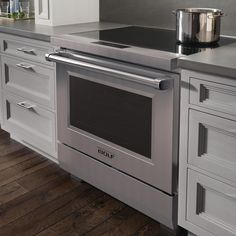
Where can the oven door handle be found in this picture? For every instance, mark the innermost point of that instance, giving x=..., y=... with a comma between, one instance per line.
x=163, y=83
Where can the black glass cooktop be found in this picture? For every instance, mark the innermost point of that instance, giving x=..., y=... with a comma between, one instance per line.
x=152, y=38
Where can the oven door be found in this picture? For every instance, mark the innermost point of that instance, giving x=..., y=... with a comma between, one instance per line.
x=125, y=124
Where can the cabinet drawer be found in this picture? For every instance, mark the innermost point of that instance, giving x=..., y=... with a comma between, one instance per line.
x=212, y=144
x=214, y=96
x=29, y=80
x=211, y=204
x=26, y=49
x=29, y=122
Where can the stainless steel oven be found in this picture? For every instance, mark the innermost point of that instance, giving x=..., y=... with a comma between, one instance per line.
x=118, y=129
x=121, y=114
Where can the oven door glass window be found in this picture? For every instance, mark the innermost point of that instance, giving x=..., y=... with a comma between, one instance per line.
x=115, y=115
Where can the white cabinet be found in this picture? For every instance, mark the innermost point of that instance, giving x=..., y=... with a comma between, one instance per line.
x=28, y=104
x=28, y=49
x=64, y=12
x=30, y=122
x=211, y=204
x=212, y=144
x=30, y=80
x=216, y=96
x=207, y=165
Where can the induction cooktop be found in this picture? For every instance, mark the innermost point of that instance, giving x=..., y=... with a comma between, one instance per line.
x=151, y=38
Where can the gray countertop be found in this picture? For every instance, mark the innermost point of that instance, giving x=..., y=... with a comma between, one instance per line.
x=29, y=29
x=220, y=61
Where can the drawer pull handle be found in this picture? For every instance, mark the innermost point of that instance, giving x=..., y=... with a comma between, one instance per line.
x=26, y=105
x=231, y=196
x=26, y=50
x=25, y=66
x=232, y=131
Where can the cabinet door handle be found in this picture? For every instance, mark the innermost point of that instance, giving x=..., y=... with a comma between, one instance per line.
x=231, y=195
x=26, y=50
x=25, y=66
x=26, y=105
x=232, y=131
x=162, y=82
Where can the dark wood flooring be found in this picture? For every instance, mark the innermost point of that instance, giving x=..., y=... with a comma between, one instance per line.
x=39, y=198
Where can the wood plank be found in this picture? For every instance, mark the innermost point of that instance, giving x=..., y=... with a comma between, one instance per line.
x=8, y=146
x=41, y=177
x=18, y=153
x=25, y=204
x=49, y=214
x=47, y=232
x=17, y=171
x=125, y=222
x=4, y=136
x=82, y=201
x=151, y=229
x=30, y=182
x=15, y=158
x=2, y=131
x=11, y=191
x=89, y=217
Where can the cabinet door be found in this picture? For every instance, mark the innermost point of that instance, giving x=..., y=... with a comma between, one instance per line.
x=29, y=80
x=27, y=49
x=211, y=204
x=212, y=144
x=29, y=122
x=214, y=96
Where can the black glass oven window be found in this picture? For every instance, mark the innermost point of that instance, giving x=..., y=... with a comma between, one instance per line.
x=115, y=115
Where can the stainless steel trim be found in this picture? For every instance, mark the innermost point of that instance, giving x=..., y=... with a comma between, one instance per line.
x=161, y=84
x=26, y=105
x=26, y=50
x=25, y=66
x=231, y=195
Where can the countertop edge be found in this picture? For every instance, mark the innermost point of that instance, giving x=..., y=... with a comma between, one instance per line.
x=25, y=34
x=206, y=68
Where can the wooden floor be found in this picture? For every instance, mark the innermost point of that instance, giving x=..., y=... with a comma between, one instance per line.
x=39, y=198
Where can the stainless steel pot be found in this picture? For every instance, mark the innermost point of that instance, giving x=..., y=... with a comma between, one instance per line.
x=198, y=25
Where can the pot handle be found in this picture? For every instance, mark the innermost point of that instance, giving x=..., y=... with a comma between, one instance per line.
x=216, y=15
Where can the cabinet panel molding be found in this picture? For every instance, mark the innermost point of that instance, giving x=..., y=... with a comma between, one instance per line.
x=211, y=204
x=29, y=80
x=213, y=96
x=30, y=122
x=212, y=144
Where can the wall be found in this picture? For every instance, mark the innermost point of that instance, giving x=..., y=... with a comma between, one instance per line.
x=158, y=12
